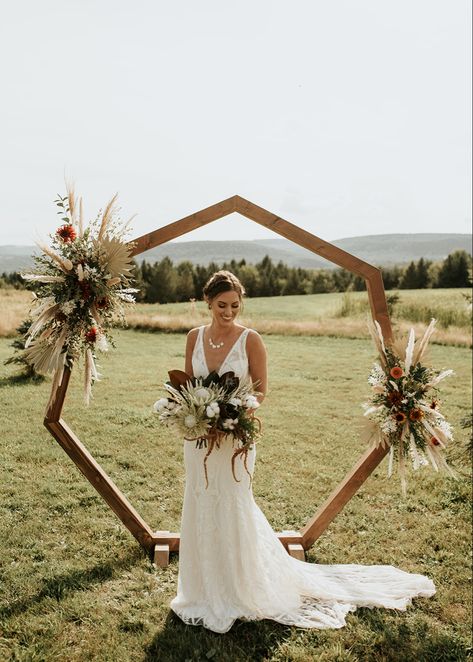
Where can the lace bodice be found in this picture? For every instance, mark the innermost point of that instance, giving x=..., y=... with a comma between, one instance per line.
x=236, y=359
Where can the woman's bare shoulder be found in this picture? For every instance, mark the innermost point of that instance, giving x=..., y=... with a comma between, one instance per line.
x=193, y=332
x=192, y=335
x=254, y=339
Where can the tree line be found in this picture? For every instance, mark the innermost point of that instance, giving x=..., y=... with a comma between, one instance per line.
x=166, y=282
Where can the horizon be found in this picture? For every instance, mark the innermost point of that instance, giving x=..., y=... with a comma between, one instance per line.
x=278, y=236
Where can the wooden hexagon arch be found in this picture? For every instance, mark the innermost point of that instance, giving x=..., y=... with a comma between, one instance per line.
x=160, y=543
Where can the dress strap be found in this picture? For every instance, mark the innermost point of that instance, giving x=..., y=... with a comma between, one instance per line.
x=200, y=337
x=243, y=338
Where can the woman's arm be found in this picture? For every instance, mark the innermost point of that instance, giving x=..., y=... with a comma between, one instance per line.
x=256, y=352
x=190, y=344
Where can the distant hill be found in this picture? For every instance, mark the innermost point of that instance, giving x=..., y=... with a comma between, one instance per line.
x=381, y=250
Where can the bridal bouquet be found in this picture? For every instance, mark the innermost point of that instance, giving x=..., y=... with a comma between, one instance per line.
x=403, y=411
x=205, y=410
x=81, y=284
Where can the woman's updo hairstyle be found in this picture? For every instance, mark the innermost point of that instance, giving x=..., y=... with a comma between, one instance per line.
x=222, y=281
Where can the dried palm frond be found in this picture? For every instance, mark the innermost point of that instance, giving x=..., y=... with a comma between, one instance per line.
x=37, y=325
x=115, y=257
x=371, y=434
x=107, y=217
x=44, y=355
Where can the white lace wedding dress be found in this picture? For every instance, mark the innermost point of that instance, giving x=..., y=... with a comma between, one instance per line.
x=232, y=565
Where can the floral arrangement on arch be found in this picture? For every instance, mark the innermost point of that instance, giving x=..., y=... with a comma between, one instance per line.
x=404, y=410
x=206, y=410
x=81, y=286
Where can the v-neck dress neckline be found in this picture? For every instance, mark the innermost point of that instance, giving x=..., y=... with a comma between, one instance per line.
x=228, y=354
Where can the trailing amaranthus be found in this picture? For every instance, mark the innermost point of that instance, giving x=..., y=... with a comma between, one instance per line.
x=81, y=284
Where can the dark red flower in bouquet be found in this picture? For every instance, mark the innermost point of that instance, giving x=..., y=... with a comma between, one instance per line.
x=91, y=335
x=396, y=372
x=400, y=417
x=85, y=289
x=103, y=303
x=415, y=414
x=67, y=233
x=394, y=397
x=434, y=441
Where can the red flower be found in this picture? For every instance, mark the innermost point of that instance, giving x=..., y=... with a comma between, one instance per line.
x=91, y=335
x=396, y=372
x=67, y=233
x=394, y=398
x=434, y=441
x=399, y=417
x=415, y=414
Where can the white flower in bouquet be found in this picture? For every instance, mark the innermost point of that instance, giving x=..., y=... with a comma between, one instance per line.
x=160, y=405
x=229, y=423
x=377, y=376
x=235, y=402
x=212, y=410
x=68, y=307
x=190, y=421
x=202, y=394
x=251, y=402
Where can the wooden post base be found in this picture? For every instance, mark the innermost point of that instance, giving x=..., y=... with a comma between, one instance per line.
x=161, y=555
x=296, y=551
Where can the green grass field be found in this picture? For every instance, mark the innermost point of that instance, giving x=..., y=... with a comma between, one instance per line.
x=76, y=586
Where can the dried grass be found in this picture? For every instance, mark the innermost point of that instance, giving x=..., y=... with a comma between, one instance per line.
x=14, y=307
x=332, y=327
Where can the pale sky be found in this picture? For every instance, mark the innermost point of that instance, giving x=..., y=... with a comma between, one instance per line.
x=346, y=117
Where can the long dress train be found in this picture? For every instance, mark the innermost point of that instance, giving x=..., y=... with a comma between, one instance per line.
x=232, y=565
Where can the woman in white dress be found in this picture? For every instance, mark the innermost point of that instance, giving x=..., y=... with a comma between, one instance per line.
x=231, y=563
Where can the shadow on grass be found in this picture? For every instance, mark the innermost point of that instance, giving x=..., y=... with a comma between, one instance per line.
x=245, y=641
x=60, y=586
x=405, y=638
x=372, y=634
x=21, y=379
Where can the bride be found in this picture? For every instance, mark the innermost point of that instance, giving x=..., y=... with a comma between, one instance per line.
x=232, y=565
